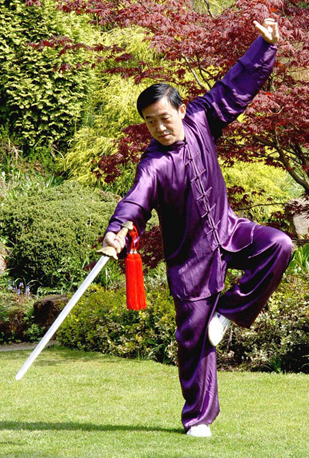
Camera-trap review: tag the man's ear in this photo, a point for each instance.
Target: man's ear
(182, 110)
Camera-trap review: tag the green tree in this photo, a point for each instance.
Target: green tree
(111, 107)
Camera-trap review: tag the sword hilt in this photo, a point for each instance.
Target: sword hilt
(109, 250)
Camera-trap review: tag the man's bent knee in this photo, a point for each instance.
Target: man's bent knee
(284, 243)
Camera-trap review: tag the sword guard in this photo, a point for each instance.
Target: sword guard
(108, 251)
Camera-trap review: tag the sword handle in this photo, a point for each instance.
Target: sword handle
(109, 250)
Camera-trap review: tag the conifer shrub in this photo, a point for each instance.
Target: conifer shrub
(52, 233)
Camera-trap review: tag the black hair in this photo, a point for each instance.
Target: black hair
(156, 92)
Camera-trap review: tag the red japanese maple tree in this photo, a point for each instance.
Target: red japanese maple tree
(275, 128)
(276, 125)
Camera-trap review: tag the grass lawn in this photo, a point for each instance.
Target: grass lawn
(88, 405)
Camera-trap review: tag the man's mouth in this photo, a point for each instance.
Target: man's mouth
(166, 134)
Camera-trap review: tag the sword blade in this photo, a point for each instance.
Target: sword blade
(64, 313)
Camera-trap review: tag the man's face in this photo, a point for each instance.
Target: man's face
(164, 122)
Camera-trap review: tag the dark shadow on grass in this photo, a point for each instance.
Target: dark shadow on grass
(65, 354)
(71, 426)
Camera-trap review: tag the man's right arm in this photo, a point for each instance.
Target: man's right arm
(136, 206)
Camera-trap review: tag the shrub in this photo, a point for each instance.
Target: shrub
(300, 261)
(279, 338)
(254, 189)
(16, 318)
(40, 104)
(17, 174)
(52, 232)
(101, 322)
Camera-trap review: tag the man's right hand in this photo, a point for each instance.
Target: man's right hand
(116, 241)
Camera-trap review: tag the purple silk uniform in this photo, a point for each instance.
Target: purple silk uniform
(184, 183)
(201, 234)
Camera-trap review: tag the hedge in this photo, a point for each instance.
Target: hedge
(101, 322)
(52, 233)
(278, 340)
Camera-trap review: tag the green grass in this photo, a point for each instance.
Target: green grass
(87, 405)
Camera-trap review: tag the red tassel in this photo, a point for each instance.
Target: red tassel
(136, 297)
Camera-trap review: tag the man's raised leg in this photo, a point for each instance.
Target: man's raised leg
(263, 262)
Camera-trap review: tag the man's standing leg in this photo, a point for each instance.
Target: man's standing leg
(197, 364)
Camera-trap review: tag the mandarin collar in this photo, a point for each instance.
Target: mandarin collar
(173, 147)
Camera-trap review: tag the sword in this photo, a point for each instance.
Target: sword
(108, 252)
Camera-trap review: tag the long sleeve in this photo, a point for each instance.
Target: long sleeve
(230, 96)
(137, 205)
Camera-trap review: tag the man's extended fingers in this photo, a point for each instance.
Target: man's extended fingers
(258, 26)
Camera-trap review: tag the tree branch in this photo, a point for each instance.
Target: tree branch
(208, 6)
(265, 142)
(193, 72)
(285, 161)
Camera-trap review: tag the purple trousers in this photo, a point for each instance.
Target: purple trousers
(263, 262)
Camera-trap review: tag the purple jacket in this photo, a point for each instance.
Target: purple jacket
(184, 184)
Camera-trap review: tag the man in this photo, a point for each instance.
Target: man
(180, 177)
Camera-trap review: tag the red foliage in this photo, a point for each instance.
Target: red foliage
(276, 126)
(135, 140)
(152, 248)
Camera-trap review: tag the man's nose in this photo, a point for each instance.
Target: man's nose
(160, 127)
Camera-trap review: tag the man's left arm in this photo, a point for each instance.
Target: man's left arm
(230, 96)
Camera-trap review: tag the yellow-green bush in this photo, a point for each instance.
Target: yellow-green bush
(264, 186)
(111, 108)
(116, 111)
(40, 104)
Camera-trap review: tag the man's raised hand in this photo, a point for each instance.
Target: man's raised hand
(269, 30)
